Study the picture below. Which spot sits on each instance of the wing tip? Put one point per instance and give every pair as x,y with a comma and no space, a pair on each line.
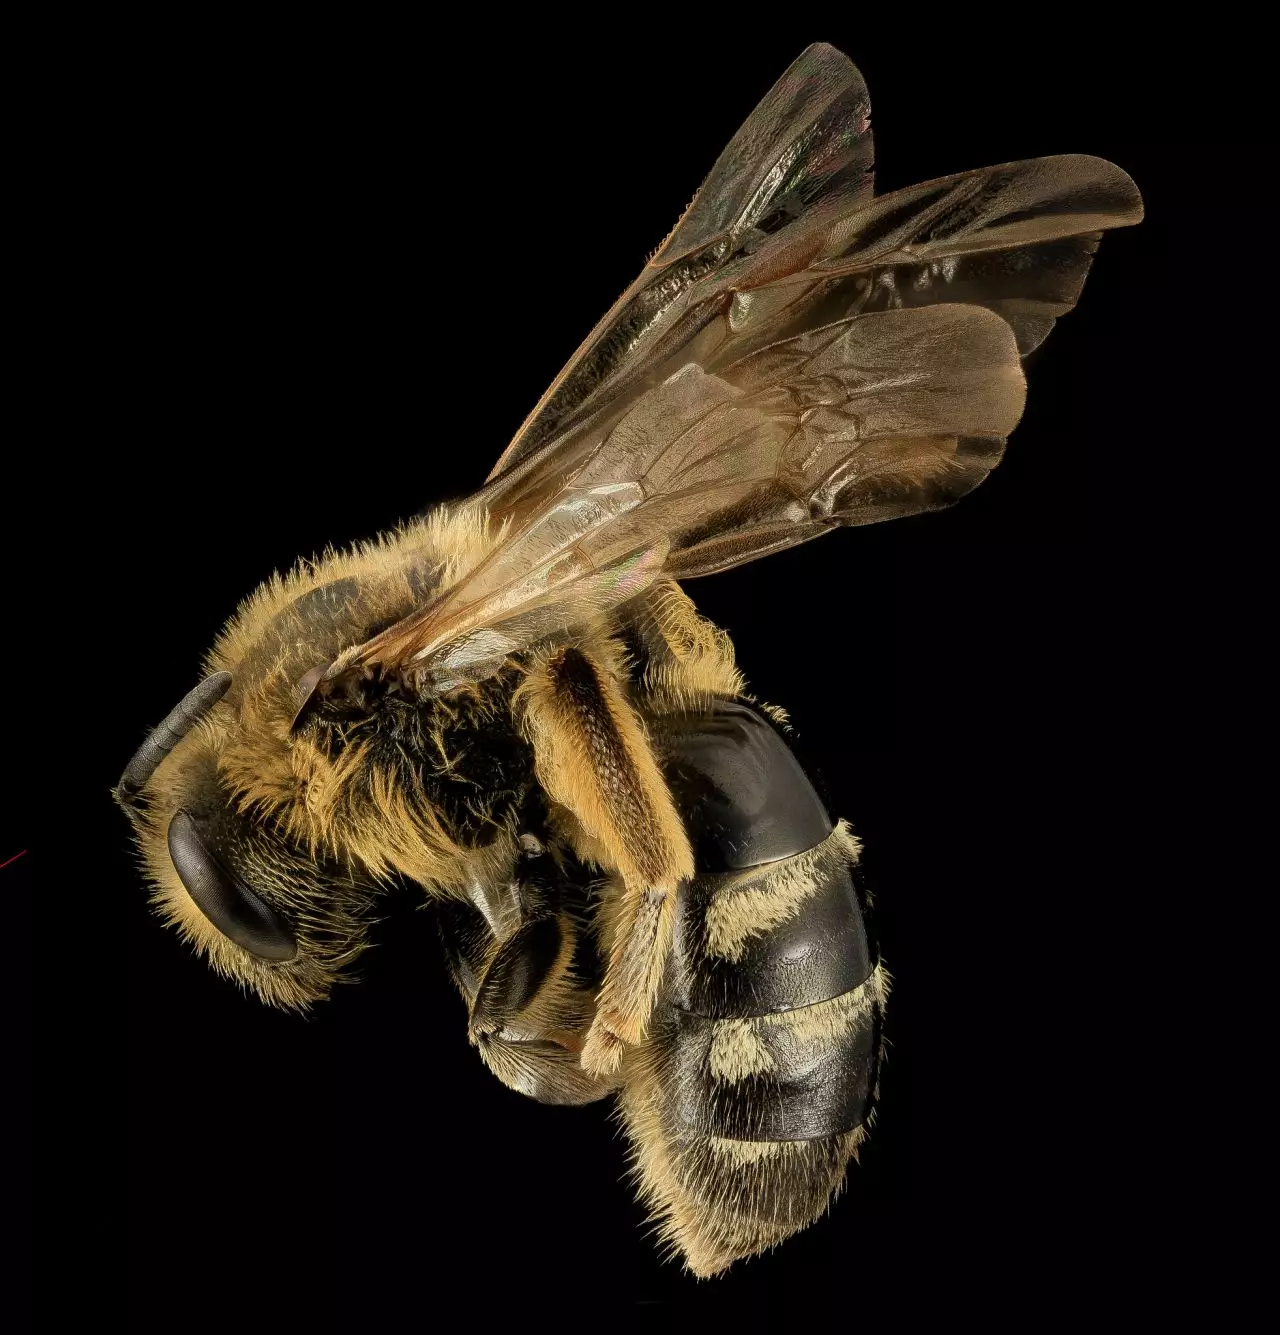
820,62
1121,191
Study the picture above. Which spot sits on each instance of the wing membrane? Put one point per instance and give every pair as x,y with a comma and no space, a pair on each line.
883,414
1017,239
808,141
797,355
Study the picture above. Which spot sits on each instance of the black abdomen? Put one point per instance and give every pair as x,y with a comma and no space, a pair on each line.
770,1027
744,798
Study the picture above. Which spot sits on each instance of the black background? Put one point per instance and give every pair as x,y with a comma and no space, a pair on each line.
342,266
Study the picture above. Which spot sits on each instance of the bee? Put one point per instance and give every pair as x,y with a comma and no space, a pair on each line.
512,703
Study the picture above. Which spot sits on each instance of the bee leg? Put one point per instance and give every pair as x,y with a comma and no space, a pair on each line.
594,760
529,1012
528,975
633,979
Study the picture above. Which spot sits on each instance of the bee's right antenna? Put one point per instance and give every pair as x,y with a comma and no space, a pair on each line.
181,719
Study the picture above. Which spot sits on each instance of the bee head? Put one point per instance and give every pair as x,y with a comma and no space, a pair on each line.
266,845
265,910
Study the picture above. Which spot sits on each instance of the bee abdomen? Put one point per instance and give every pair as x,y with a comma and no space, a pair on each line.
772,1031
772,1025
798,1075
742,1129
785,935
760,1073
744,798
742,1123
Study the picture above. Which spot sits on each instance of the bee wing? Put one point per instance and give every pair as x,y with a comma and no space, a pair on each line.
872,417
808,141
1017,239
790,360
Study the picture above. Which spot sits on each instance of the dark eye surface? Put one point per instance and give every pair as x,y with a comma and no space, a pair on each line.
223,897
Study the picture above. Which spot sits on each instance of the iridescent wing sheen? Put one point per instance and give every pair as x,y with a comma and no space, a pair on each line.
798,355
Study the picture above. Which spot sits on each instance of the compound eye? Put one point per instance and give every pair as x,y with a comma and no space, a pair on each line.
224,898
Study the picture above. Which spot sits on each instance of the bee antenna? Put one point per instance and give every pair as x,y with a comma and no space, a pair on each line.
181,719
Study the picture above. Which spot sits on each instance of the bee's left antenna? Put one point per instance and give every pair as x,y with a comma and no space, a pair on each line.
181,719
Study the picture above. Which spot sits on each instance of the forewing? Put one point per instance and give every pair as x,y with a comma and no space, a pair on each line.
1017,239
874,417
806,143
